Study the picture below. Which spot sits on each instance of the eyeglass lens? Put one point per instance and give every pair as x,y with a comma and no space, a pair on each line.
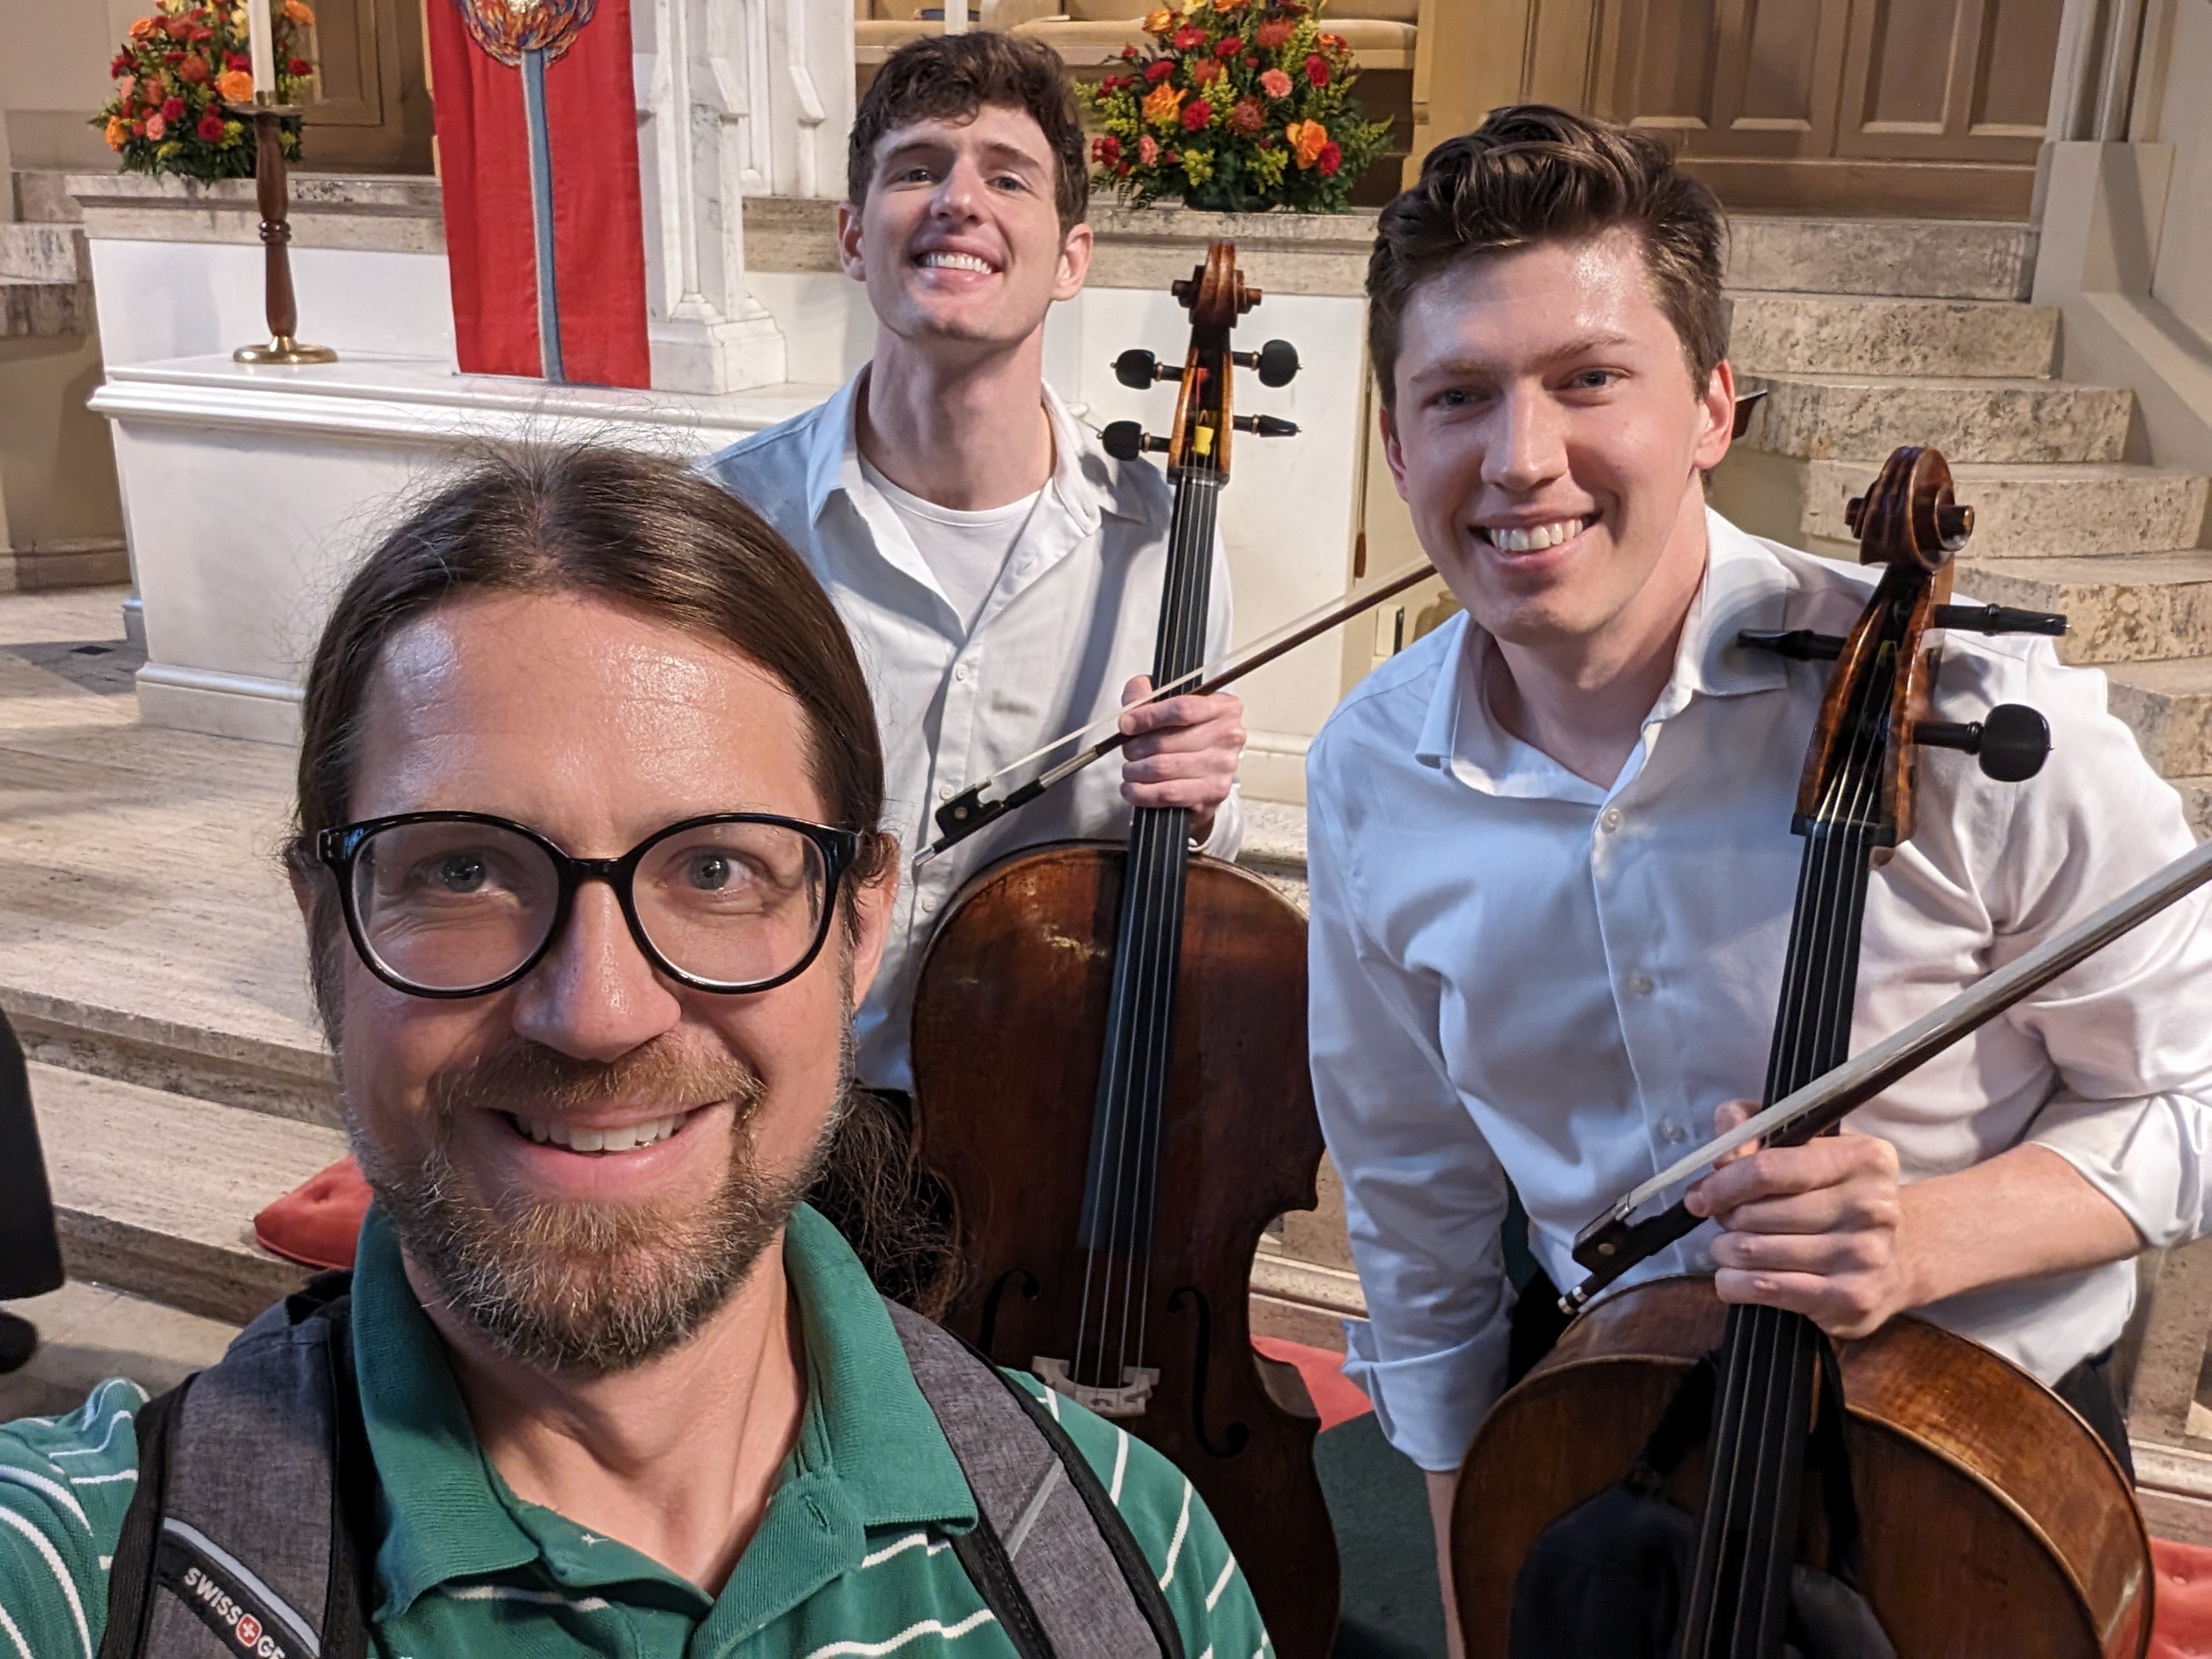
451,906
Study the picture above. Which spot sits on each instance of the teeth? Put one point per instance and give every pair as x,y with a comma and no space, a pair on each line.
1533,538
622,1137
948,261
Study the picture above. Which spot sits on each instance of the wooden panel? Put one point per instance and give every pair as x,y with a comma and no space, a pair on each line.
372,111
1733,78
1948,80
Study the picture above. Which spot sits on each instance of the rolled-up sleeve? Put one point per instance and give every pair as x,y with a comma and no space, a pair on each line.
2129,1032
1423,1194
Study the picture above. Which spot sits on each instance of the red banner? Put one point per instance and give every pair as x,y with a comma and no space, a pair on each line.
483,162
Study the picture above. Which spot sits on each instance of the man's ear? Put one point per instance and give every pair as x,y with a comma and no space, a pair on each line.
1074,262
1717,407
873,902
848,241
1392,453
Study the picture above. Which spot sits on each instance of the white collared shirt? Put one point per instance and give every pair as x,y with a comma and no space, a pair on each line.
1073,616
1518,973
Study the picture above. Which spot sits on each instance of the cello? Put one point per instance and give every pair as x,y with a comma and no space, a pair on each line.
1110,1066
1990,1519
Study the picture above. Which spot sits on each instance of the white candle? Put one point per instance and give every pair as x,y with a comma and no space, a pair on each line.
956,16
261,38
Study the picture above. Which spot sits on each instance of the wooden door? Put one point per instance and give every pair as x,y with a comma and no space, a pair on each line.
371,112
1846,107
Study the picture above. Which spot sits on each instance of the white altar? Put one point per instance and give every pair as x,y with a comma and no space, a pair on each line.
249,493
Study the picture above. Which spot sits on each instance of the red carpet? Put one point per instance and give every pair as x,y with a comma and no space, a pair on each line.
2184,1629
1337,1399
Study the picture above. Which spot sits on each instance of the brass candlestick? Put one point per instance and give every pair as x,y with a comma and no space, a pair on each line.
270,189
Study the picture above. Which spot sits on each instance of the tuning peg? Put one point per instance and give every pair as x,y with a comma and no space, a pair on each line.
2012,741
1264,426
1998,619
1125,441
1954,521
1277,362
1137,369
1798,644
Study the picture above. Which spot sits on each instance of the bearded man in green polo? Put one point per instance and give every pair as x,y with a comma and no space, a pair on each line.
588,856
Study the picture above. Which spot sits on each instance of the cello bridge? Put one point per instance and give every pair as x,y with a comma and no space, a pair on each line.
1131,1399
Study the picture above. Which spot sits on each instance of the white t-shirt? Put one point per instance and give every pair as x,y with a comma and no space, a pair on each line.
965,551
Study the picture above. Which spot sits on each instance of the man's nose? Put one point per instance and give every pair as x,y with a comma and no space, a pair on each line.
1528,447
594,995
959,193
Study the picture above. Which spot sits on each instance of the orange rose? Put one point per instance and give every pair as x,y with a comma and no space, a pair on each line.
1163,106
1308,139
236,87
1159,22
300,13
119,132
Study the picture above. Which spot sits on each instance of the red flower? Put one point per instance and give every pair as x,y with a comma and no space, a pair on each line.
1332,158
237,60
1317,69
211,127
1106,151
1247,118
1270,36
1186,37
176,28
300,66
1230,47
1128,52
1158,70
174,110
1114,83
1195,114
1251,61
1148,150
1207,69
137,129
120,67
194,70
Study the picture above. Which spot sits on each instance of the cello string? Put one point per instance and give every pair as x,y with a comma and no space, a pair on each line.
1189,582
1194,595
1775,1341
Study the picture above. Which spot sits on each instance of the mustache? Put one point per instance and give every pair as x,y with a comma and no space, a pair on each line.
522,1077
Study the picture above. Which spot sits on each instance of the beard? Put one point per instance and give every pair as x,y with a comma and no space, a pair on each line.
582,1288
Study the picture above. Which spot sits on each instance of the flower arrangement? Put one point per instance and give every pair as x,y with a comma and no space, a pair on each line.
177,71
1242,104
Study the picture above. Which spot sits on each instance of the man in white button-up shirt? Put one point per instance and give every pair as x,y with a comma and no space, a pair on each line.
1000,574
1551,865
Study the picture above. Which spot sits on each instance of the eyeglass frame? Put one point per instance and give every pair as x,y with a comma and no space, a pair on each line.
337,849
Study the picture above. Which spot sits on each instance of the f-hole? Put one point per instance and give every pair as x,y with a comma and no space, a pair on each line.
1022,1279
1237,1436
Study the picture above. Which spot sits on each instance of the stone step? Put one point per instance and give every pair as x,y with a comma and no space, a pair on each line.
1860,417
1936,259
97,562
45,253
2169,706
2124,607
2020,511
1846,334
2196,802
155,1192
201,1061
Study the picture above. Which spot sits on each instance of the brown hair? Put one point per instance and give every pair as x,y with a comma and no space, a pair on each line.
950,77
648,532
1532,174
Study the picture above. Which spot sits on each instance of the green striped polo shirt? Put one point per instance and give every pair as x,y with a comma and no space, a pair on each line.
851,1559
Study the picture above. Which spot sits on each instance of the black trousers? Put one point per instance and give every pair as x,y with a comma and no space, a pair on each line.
1537,1323
30,1254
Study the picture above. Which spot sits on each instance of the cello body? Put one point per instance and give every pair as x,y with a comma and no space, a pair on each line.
1997,1525
1009,1023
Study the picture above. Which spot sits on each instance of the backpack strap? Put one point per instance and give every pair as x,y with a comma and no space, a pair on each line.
247,1535
1052,1557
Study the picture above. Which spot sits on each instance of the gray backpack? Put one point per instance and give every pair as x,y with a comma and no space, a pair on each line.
251,1533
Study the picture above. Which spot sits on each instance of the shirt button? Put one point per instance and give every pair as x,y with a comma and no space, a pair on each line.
1672,1133
927,904
1638,985
945,791
1610,817
960,672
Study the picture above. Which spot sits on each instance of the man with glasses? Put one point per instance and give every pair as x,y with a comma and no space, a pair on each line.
588,856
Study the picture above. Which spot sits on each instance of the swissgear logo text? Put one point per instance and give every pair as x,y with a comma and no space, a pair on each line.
230,1619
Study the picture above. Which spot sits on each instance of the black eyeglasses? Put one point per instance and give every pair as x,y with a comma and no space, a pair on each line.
461,904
